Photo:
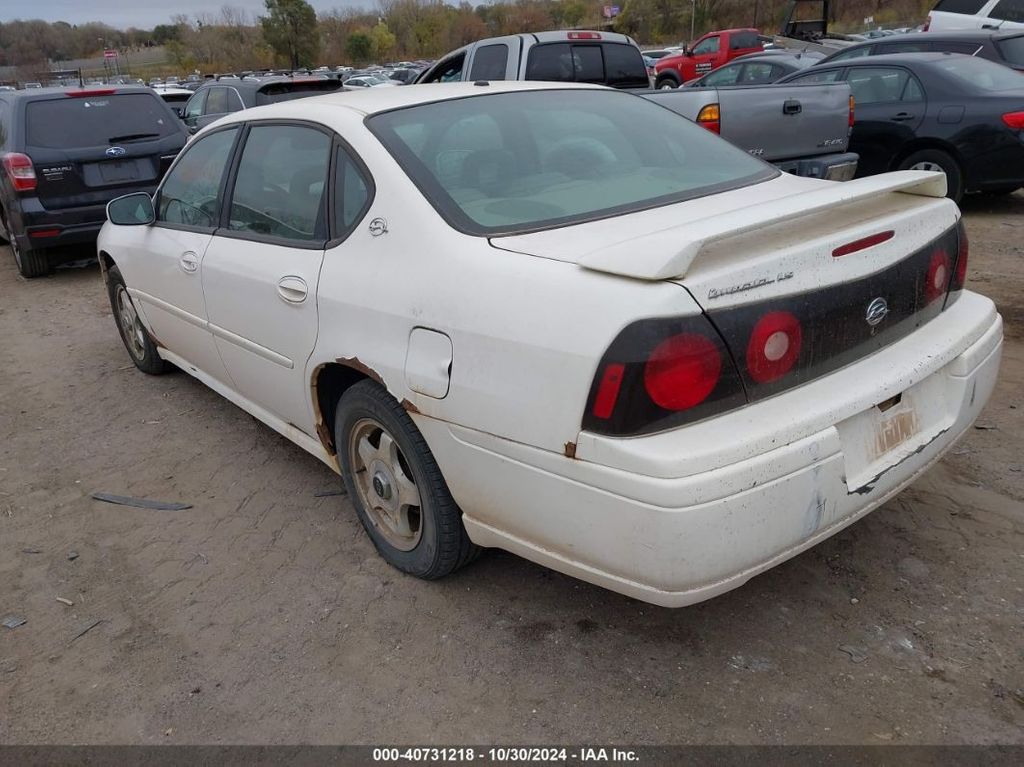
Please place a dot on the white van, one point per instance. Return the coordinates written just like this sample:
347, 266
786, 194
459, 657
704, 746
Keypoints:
976, 14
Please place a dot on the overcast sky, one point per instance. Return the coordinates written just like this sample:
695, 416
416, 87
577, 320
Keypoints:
139, 13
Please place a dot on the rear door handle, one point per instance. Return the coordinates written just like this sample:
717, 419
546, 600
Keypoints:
189, 262
903, 117
292, 289
792, 107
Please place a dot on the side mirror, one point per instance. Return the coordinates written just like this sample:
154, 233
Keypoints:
134, 209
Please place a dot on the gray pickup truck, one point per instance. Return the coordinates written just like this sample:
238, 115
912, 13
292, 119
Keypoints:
801, 129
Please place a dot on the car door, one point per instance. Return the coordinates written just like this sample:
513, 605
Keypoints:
194, 110
889, 107
262, 267
706, 54
163, 271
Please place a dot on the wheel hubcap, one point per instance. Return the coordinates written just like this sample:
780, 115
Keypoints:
134, 335
927, 166
385, 484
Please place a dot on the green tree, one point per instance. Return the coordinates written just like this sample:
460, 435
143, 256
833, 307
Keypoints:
290, 29
359, 47
383, 42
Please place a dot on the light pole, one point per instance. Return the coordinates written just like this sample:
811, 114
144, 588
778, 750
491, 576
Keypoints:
693, 18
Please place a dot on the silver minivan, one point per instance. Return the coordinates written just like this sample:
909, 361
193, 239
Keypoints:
976, 14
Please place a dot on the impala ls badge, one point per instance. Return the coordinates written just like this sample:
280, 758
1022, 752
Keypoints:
116, 151
877, 311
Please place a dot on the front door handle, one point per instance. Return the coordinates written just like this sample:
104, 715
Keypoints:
792, 107
189, 262
292, 289
902, 117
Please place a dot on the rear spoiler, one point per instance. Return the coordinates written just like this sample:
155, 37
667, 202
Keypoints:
671, 252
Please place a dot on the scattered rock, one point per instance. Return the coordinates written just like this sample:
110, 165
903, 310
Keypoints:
985, 427
64, 601
28, 550
72, 556
857, 654
854, 600
13, 621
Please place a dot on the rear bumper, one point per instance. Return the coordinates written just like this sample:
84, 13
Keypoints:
674, 539
832, 167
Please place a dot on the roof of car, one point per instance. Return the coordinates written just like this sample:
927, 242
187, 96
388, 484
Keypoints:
370, 101
968, 35
903, 59
31, 94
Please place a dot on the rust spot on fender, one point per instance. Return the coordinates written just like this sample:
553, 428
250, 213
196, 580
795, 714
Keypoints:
570, 449
409, 407
356, 364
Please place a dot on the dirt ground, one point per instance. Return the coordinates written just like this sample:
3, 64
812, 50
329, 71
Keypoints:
263, 614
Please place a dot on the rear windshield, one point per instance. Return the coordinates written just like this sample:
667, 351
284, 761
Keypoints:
1012, 49
97, 120
271, 94
513, 162
981, 73
969, 7
617, 64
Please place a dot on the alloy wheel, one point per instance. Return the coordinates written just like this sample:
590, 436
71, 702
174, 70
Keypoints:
131, 326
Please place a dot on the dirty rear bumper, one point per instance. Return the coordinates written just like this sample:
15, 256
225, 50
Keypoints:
674, 541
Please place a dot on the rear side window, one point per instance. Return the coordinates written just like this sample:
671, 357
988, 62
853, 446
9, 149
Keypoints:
902, 47
744, 40
852, 53
1012, 49
968, 49
490, 62
969, 7
624, 66
217, 101
1008, 10
827, 76
280, 186
351, 193
974, 73
97, 120
881, 85
189, 195
723, 76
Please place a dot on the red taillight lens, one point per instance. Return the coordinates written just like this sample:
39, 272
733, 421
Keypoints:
710, 117
853, 103
682, 371
93, 92
584, 35
863, 243
937, 278
20, 171
927, 24
774, 346
1014, 120
608, 391
963, 252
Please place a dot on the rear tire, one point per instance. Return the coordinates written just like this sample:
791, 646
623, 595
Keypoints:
397, 489
936, 159
31, 263
666, 84
136, 338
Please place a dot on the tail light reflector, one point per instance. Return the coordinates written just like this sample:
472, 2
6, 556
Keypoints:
608, 391
852, 105
774, 346
711, 118
963, 252
937, 278
1014, 120
44, 233
682, 371
20, 170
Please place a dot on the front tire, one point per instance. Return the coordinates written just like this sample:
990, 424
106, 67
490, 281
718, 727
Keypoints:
136, 338
666, 84
937, 160
397, 489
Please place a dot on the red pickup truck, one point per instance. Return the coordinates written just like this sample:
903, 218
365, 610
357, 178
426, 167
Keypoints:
709, 52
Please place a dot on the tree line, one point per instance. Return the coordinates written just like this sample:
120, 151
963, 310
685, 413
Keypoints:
290, 33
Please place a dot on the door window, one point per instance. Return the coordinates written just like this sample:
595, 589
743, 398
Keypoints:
234, 101
724, 76
826, 76
447, 71
490, 62
707, 45
969, 7
217, 101
189, 195
352, 193
279, 188
194, 107
877, 85
758, 72
852, 53
1008, 10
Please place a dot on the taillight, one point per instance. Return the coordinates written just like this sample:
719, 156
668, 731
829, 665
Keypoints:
93, 92
584, 35
661, 373
774, 346
20, 171
863, 243
927, 24
710, 117
1014, 120
963, 252
682, 371
937, 278
852, 104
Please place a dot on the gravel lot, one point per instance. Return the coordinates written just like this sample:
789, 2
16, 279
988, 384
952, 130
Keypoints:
263, 614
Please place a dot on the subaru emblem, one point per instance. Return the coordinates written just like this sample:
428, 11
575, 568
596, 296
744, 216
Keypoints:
877, 311
116, 151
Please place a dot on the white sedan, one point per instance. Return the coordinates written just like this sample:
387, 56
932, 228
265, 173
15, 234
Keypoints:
563, 321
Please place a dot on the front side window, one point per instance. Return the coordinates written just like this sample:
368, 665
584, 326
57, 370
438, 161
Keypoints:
280, 185
825, 76
194, 107
723, 76
523, 161
707, 45
758, 72
189, 195
877, 85
490, 62
447, 71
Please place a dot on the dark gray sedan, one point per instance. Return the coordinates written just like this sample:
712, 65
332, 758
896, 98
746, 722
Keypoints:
759, 68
